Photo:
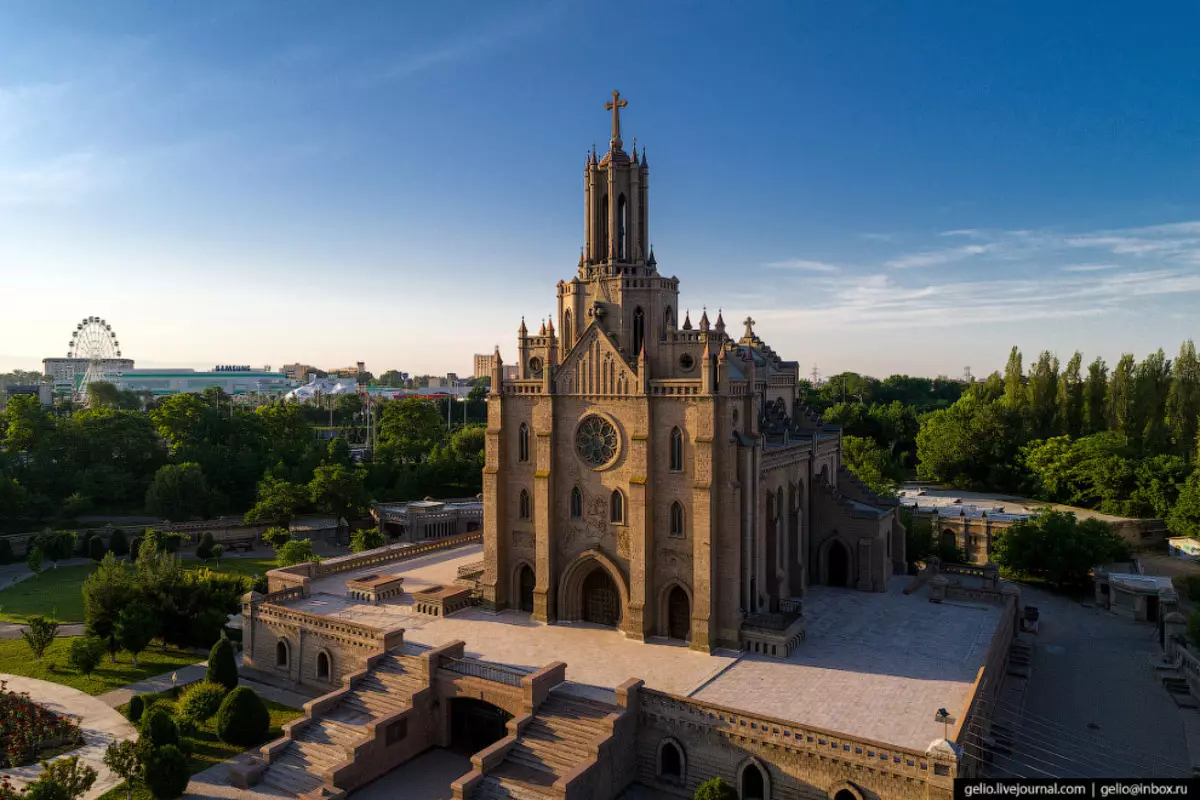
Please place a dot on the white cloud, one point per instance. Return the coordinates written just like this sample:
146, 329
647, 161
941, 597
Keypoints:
933, 258
803, 264
1089, 267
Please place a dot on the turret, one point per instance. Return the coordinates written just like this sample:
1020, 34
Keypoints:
719, 327
704, 320
497, 371
706, 370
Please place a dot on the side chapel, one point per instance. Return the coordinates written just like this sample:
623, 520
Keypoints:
662, 477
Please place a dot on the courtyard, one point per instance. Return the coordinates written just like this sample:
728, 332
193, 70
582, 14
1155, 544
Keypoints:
874, 665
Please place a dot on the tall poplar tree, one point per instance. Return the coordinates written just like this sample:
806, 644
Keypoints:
1152, 385
1043, 390
1070, 398
1183, 403
1095, 398
1014, 381
1120, 395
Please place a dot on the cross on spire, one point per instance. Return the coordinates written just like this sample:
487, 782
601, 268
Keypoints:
615, 105
749, 323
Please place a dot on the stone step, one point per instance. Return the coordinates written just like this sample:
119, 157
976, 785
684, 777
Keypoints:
492, 787
377, 704
317, 756
399, 688
546, 757
290, 778
570, 728
559, 735
330, 732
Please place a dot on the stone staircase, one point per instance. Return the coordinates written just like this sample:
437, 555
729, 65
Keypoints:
1177, 686
314, 748
562, 736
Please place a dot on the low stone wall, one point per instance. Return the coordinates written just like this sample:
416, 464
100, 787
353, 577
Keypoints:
973, 724
799, 761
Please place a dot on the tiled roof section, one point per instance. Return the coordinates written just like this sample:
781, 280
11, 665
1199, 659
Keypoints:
617, 156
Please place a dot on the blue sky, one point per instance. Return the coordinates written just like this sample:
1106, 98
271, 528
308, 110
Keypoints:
886, 187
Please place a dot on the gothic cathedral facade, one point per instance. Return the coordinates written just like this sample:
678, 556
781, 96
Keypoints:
659, 477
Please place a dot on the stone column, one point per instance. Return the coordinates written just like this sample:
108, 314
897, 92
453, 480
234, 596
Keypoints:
639, 528
864, 565
544, 590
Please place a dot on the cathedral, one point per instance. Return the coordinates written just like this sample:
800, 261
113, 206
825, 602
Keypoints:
659, 476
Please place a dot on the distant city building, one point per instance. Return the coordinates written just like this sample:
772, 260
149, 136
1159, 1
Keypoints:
349, 372
483, 365
512, 372
301, 372
65, 372
176, 381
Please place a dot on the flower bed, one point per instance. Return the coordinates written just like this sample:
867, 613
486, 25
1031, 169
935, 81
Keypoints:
28, 730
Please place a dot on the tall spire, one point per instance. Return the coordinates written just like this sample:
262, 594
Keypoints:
704, 320
615, 106
720, 324
522, 331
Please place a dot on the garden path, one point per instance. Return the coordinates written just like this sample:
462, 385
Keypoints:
100, 724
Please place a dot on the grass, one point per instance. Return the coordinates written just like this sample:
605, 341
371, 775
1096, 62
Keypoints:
206, 749
58, 593
16, 659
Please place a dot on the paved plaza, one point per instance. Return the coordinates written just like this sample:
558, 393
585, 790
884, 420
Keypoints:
876, 665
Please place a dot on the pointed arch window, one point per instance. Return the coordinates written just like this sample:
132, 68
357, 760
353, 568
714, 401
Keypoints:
676, 450
622, 229
617, 507
525, 507
576, 503
523, 443
567, 329
639, 330
669, 318
602, 239
676, 519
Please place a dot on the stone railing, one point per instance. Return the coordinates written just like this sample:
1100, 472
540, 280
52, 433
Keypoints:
523, 387
380, 555
470, 571
1189, 664
675, 387
974, 721
353, 633
482, 669
738, 727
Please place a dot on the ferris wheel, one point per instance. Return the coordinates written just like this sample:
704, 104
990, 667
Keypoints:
93, 339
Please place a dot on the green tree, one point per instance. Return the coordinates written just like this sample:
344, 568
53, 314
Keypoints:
97, 549
56, 545
1043, 393
117, 543
411, 427
121, 756
279, 502
201, 700
277, 537
165, 771
1055, 546
1095, 398
105, 592
1014, 382
157, 729
69, 774
339, 490
29, 425
297, 551
715, 789
1183, 403
136, 626
85, 654
222, 665
39, 634
179, 492
33, 560
871, 464
102, 394
1158, 481
1070, 399
392, 378
6, 553
1184, 517
1120, 396
1152, 385
366, 539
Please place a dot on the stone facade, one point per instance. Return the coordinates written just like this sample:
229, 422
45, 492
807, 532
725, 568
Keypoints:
657, 476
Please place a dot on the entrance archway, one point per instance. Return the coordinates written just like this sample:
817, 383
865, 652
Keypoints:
601, 602
475, 724
525, 583
949, 541
679, 615
838, 564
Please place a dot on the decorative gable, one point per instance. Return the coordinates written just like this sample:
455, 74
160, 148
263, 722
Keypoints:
595, 367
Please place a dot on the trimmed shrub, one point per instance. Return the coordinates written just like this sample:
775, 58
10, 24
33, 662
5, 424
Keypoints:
134, 548
158, 728
136, 707
243, 719
6, 552
204, 550
97, 549
85, 542
715, 789
85, 654
222, 665
201, 700
166, 773
117, 543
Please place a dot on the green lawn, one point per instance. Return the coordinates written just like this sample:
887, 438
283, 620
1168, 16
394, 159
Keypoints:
206, 749
58, 592
54, 593
16, 659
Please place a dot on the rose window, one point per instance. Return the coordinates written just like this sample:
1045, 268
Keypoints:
596, 441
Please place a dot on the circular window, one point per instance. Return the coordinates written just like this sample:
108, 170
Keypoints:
535, 367
596, 441
686, 362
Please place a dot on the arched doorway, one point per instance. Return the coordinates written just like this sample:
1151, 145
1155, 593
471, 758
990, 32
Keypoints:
838, 561
754, 783
323, 669
844, 794
475, 724
525, 582
949, 542
679, 615
601, 602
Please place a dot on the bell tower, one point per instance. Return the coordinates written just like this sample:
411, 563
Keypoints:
618, 286
616, 222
